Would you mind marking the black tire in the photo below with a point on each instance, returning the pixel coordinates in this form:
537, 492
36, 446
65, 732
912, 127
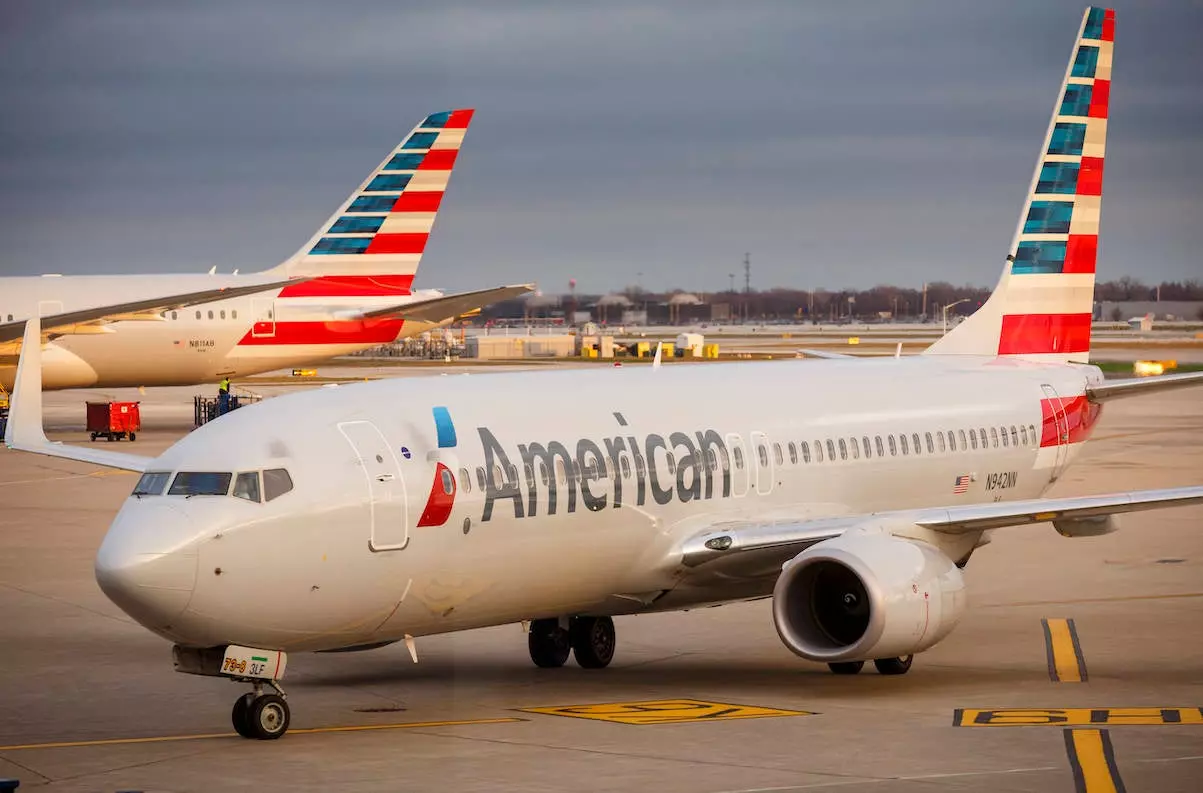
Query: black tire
846, 667
93, 437
268, 717
132, 436
549, 644
894, 666
240, 716
593, 641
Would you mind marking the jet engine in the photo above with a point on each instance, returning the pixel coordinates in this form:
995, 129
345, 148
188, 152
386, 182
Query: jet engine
865, 596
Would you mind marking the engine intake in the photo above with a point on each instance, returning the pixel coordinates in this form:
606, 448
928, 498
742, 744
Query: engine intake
864, 596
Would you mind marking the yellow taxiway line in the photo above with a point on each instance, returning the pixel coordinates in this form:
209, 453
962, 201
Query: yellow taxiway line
1065, 661
407, 725
1092, 759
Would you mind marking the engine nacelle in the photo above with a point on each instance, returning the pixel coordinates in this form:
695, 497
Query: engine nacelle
864, 596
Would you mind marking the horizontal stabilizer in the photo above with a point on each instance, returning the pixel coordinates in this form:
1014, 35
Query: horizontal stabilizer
438, 309
1139, 386
24, 431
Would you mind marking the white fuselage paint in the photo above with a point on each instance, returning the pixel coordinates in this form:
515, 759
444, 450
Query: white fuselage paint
190, 346
298, 573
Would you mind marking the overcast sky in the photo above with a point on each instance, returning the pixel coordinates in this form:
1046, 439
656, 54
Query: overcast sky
841, 144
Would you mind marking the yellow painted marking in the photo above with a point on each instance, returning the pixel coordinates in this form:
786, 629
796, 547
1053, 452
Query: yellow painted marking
407, 725
1065, 661
1075, 717
665, 711
1092, 760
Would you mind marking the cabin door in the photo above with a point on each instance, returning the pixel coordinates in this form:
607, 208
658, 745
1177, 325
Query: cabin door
388, 519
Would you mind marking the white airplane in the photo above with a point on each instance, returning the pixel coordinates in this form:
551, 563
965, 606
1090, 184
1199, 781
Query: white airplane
347, 289
851, 492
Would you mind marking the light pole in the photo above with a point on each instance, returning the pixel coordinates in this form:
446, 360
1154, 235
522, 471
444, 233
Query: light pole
945, 313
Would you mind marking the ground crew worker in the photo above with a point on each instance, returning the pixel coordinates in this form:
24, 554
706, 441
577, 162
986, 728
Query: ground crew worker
223, 396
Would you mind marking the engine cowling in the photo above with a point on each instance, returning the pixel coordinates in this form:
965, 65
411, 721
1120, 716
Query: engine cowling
862, 596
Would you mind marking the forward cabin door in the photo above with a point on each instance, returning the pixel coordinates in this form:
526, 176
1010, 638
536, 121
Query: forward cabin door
762, 459
1055, 423
388, 519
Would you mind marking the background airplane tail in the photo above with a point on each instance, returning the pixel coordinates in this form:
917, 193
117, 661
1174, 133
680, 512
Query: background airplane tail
1042, 306
379, 233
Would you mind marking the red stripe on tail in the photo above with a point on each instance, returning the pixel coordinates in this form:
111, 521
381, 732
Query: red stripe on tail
1090, 176
459, 119
351, 286
1080, 253
1099, 99
438, 160
397, 243
418, 202
1025, 334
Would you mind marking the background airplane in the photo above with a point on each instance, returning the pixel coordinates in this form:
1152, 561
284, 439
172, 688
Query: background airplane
851, 492
351, 290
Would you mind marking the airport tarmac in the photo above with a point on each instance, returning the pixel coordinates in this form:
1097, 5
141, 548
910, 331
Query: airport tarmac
89, 701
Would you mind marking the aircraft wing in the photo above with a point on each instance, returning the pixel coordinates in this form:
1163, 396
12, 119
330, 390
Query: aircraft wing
826, 355
24, 431
1138, 386
438, 309
751, 548
90, 318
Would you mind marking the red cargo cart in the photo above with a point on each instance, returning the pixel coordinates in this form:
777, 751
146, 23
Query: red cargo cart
114, 420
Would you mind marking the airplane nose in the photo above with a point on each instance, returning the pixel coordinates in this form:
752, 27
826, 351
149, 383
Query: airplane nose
146, 564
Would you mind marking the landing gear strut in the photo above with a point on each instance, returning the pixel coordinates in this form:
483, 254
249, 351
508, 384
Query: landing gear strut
261, 716
590, 639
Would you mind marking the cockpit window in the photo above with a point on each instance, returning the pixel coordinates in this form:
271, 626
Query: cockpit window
152, 483
200, 483
276, 482
247, 486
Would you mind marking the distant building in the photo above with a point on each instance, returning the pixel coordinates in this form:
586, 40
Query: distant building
1164, 310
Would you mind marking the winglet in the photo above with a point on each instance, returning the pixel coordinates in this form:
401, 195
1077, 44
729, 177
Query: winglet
24, 431
24, 428
656, 360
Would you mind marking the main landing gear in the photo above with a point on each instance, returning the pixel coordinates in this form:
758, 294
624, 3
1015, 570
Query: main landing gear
590, 639
885, 666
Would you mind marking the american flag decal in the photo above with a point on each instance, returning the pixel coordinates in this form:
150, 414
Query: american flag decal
961, 484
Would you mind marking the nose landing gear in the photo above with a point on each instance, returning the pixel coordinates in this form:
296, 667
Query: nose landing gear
257, 714
260, 716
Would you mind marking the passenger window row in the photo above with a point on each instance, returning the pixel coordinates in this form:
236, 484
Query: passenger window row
218, 314
851, 448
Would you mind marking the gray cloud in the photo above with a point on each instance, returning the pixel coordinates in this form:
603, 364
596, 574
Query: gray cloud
841, 144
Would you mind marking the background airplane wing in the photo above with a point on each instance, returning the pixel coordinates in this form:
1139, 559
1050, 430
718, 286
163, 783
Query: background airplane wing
71, 321
749, 549
437, 309
1142, 385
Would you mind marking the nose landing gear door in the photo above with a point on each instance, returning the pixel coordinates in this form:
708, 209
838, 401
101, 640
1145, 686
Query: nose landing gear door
388, 521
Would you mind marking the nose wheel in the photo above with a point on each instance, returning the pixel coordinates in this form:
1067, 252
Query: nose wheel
260, 716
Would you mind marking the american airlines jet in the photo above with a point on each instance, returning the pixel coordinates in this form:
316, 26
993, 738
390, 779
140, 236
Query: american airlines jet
851, 492
347, 289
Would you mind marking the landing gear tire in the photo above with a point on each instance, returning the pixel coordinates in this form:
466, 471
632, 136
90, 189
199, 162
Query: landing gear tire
549, 644
846, 667
240, 715
894, 666
593, 641
268, 717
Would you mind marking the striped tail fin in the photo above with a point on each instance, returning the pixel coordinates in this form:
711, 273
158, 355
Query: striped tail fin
1041, 308
378, 234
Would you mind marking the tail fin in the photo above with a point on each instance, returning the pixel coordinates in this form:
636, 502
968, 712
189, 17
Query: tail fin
382, 228
1041, 308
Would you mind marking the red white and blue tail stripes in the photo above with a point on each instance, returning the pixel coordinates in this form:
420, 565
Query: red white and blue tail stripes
1042, 306
382, 228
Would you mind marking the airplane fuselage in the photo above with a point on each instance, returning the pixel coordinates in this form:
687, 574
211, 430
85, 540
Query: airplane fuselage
294, 326
420, 507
